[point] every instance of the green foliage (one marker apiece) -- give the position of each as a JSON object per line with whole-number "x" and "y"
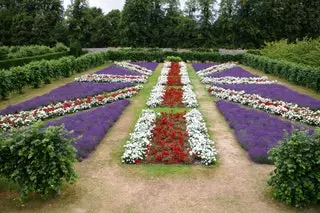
{"x": 254, "y": 51}
{"x": 37, "y": 159}
{"x": 75, "y": 48}
{"x": 305, "y": 52}
{"x": 7, "y": 64}
{"x": 4, "y": 51}
{"x": 60, "y": 47}
{"x": 296, "y": 179}
{"x": 38, "y": 72}
{"x": 173, "y": 59}
{"x": 298, "y": 74}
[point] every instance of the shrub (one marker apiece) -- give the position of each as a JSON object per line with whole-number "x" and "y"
{"x": 296, "y": 179}
{"x": 295, "y": 73}
{"x": 173, "y": 59}
{"x": 75, "y": 48}
{"x": 254, "y": 51}
{"x": 4, "y": 50}
{"x": 37, "y": 159}
{"x": 60, "y": 47}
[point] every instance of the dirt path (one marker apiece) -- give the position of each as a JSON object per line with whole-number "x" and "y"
{"x": 236, "y": 185}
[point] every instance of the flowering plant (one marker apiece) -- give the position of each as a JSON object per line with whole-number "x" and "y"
{"x": 215, "y": 69}
{"x": 102, "y": 78}
{"x": 134, "y": 68}
{"x": 237, "y": 80}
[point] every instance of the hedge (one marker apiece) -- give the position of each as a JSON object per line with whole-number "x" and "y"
{"x": 298, "y": 74}
{"x": 7, "y": 64}
{"x": 38, "y": 72}
{"x": 160, "y": 56}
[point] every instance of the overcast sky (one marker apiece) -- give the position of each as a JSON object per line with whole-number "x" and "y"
{"x": 108, "y": 5}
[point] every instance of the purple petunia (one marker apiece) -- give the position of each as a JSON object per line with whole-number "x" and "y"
{"x": 90, "y": 127}
{"x": 67, "y": 92}
{"x": 149, "y": 65}
{"x": 256, "y": 131}
{"x": 276, "y": 92}
{"x": 201, "y": 66}
{"x": 115, "y": 70}
{"x": 233, "y": 72}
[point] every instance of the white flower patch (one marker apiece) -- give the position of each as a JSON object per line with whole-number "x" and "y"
{"x": 287, "y": 110}
{"x": 189, "y": 97}
{"x": 163, "y": 79}
{"x": 201, "y": 145}
{"x": 25, "y": 118}
{"x": 140, "y": 139}
{"x": 237, "y": 80}
{"x": 215, "y": 69}
{"x": 106, "y": 78}
{"x": 134, "y": 68}
{"x": 156, "y": 96}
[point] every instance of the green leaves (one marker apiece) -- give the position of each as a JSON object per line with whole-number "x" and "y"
{"x": 38, "y": 159}
{"x": 296, "y": 179}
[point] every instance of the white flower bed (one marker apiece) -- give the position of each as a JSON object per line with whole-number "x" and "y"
{"x": 215, "y": 69}
{"x": 156, "y": 96}
{"x": 287, "y": 110}
{"x": 134, "y": 68}
{"x": 237, "y": 80}
{"x": 140, "y": 139}
{"x": 201, "y": 145}
{"x": 106, "y": 78}
{"x": 189, "y": 97}
{"x": 163, "y": 79}
{"x": 25, "y": 118}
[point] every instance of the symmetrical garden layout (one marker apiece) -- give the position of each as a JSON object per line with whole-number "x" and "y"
{"x": 170, "y": 130}
{"x": 255, "y": 128}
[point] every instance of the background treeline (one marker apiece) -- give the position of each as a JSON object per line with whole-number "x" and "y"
{"x": 159, "y": 23}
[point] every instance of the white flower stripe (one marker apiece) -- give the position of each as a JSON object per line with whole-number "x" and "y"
{"x": 140, "y": 139}
{"x": 25, "y": 118}
{"x": 189, "y": 97}
{"x": 287, "y": 110}
{"x": 134, "y": 68}
{"x": 201, "y": 145}
{"x": 215, "y": 69}
{"x": 156, "y": 96}
{"x": 237, "y": 80}
{"x": 106, "y": 78}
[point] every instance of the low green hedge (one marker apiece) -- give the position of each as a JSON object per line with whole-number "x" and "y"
{"x": 298, "y": 74}
{"x": 38, "y": 72}
{"x": 7, "y": 64}
{"x": 160, "y": 56}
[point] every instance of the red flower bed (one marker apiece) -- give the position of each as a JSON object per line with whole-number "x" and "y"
{"x": 174, "y": 81}
{"x": 169, "y": 141}
{"x": 173, "y": 98}
{"x": 175, "y": 69}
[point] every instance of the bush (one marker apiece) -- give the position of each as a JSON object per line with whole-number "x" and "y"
{"x": 305, "y": 52}
{"x": 60, "y": 47}
{"x": 296, "y": 179}
{"x": 298, "y": 74}
{"x": 7, "y": 64}
{"x": 38, "y": 72}
{"x": 75, "y": 48}
{"x": 4, "y": 50}
{"x": 173, "y": 59}
{"x": 254, "y": 51}
{"x": 37, "y": 159}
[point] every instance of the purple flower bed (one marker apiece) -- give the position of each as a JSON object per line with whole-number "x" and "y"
{"x": 201, "y": 66}
{"x": 149, "y": 65}
{"x": 67, "y": 92}
{"x": 115, "y": 70}
{"x": 91, "y": 126}
{"x": 234, "y": 72}
{"x": 276, "y": 92}
{"x": 257, "y": 132}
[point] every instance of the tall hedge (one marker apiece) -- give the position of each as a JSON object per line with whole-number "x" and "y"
{"x": 36, "y": 73}
{"x": 298, "y": 74}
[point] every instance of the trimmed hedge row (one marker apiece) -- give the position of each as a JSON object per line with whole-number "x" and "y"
{"x": 36, "y": 73}
{"x": 7, "y": 64}
{"x": 160, "y": 56}
{"x": 298, "y": 74}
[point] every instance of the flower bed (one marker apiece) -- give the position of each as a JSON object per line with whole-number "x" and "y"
{"x": 237, "y": 80}
{"x": 148, "y": 65}
{"x": 233, "y": 72}
{"x": 257, "y": 132}
{"x": 277, "y": 92}
{"x": 90, "y": 127}
{"x": 170, "y": 138}
{"x": 69, "y": 92}
{"x": 169, "y": 141}
{"x": 115, "y": 70}
{"x": 24, "y": 118}
{"x": 106, "y": 78}
{"x": 173, "y": 98}
{"x": 215, "y": 69}
{"x": 134, "y": 68}
{"x": 201, "y": 66}
{"x": 287, "y": 110}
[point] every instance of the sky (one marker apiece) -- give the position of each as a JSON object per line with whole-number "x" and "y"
{"x": 108, "y": 5}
